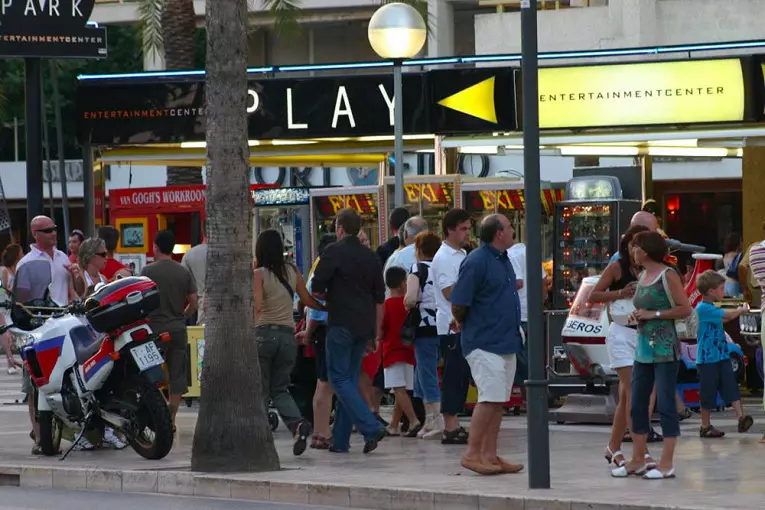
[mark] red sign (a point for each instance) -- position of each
(171, 197)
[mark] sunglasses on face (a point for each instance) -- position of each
(48, 230)
(101, 254)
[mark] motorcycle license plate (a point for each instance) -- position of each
(146, 356)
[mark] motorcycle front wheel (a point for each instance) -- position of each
(151, 426)
(51, 430)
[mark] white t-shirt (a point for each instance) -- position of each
(517, 254)
(59, 286)
(404, 258)
(445, 269)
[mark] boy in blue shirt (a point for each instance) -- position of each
(712, 357)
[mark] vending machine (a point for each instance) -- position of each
(588, 225)
(287, 211)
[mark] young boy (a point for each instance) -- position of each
(712, 358)
(398, 359)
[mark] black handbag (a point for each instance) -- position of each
(414, 316)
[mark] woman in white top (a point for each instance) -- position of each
(421, 293)
(92, 260)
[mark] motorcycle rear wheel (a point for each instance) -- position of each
(51, 430)
(153, 414)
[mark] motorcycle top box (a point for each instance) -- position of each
(121, 302)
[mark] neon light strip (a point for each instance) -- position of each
(515, 57)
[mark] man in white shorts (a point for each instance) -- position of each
(487, 310)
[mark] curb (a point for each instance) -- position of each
(242, 487)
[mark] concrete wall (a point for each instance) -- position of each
(626, 23)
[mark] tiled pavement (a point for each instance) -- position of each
(407, 473)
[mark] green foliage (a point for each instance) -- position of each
(150, 26)
(124, 57)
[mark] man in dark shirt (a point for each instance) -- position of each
(177, 302)
(349, 276)
(396, 220)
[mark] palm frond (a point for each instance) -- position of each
(422, 8)
(285, 13)
(150, 24)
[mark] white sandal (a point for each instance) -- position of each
(657, 474)
(611, 456)
(623, 472)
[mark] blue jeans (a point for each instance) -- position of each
(426, 369)
(456, 377)
(643, 377)
(344, 354)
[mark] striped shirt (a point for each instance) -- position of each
(757, 262)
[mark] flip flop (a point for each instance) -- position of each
(657, 474)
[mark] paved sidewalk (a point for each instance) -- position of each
(413, 474)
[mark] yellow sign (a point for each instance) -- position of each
(641, 94)
(476, 101)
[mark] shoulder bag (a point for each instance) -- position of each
(687, 327)
(414, 316)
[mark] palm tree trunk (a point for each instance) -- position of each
(179, 36)
(232, 432)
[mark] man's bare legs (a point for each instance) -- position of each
(403, 407)
(33, 417)
(480, 425)
(175, 404)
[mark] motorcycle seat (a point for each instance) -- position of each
(86, 343)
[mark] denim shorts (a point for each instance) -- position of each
(714, 378)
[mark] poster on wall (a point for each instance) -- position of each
(133, 261)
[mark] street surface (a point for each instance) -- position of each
(15, 498)
(724, 473)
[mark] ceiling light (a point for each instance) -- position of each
(583, 150)
(479, 149)
(697, 152)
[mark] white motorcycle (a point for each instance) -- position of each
(94, 364)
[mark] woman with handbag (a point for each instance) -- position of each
(420, 301)
(660, 300)
(616, 287)
(276, 282)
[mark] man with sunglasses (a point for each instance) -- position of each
(65, 285)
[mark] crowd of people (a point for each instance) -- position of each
(386, 321)
(644, 349)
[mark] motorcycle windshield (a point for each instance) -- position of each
(32, 281)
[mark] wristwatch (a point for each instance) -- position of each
(658, 313)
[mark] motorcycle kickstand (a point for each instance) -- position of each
(78, 438)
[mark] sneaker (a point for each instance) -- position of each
(111, 439)
(12, 370)
(84, 445)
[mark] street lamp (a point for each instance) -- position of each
(397, 32)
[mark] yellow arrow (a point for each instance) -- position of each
(476, 101)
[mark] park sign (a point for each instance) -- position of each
(50, 29)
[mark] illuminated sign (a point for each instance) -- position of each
(431, 193)
(642, 94)
(280, 196)
(502, 200)
(589, 188)
(363, 203)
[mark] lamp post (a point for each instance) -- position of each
(397, 32)
(538, 431)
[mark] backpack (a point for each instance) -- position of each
(413, 316)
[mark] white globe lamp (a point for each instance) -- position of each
(397, 31)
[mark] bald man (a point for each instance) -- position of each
(64, 280)
(643, 219)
